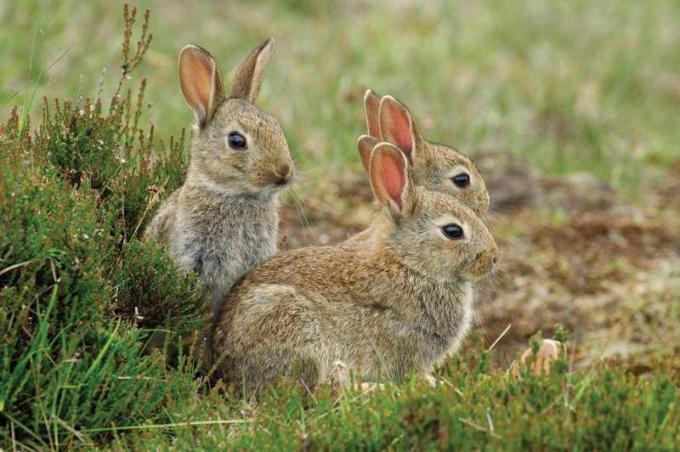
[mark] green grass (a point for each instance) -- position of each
(579, 85)
(572, 86)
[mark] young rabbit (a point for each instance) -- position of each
(435, 166)
(224, 220)
(396, 310)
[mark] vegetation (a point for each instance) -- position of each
(585, 86)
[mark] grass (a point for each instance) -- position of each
(570, 86)
(582, 85)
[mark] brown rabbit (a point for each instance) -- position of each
(224, 220)
(395, 310)
(436, 167)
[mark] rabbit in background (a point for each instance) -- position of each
(398, 309)
(436, 167)
(224, 220)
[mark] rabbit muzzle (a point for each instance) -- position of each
(284, 174)
(274, 177)
(483, 263)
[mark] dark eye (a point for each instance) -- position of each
(237, 141)
(452, 231)
(461, 180)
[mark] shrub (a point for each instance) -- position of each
(74, 198)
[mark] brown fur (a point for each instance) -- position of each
(433, 164)
(224, 220)
(396, 307)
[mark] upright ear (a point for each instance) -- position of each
(390, 178)
(248, 76)
(372, 110)
(365, 145)
(397, 126)
(200, 81)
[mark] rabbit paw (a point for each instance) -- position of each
(547, 354)
(339, 374)
(367, 388)
(340, 378)
(430, 380)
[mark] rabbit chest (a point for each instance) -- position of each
(222, 237)
(439, 320)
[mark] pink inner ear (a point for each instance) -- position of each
(396, 127)
(196, 76)
(390, 172)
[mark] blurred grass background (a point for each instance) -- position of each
(578, 85)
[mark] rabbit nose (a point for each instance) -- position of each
(489, 258)
(283, 173)
(493, 254)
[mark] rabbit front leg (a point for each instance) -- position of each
(193, 253)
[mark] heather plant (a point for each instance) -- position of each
(79, 291)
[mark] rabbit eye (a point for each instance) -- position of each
(452, 231)
(237, 141)
(461, 180)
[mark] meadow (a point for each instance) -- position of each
(570, 109)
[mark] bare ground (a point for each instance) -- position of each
(573, 253)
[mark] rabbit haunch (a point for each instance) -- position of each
(224, 220)
(397, 305)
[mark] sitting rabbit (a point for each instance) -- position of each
(224, 220)
(398, 309)
(434, 166)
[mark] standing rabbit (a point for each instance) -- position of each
(224, 220)
(396, 310)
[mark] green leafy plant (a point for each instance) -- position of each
(74, 197)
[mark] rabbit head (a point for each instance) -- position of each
(435, 166)
(236, 147)
(433, 233)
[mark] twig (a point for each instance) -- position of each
(477, 427)
(162, 426)
(15, 266)
(149, 204)
(75, 432)
(507, 328)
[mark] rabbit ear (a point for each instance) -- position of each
(200, 81)
(365, 144)
(372, 109)
(248, 76)
(390, 178)
(397, 126)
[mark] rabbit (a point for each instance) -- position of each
(435, 166)
(224, 220)
(396, 310)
